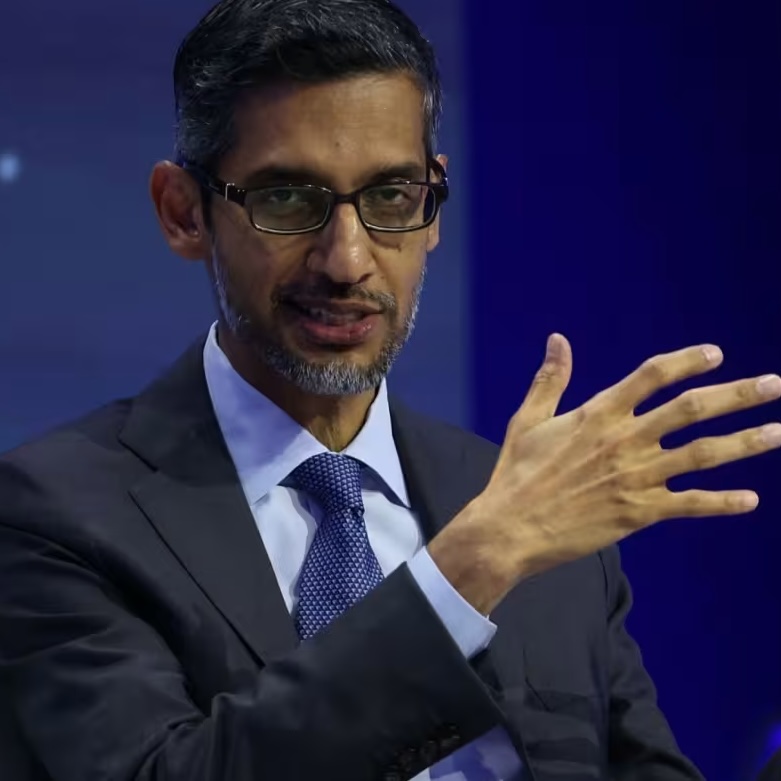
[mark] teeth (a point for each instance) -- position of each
(332, 318)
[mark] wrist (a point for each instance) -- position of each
(477, 564)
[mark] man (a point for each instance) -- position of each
(262, 567)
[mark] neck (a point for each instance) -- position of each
(333, 420)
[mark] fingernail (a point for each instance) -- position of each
(770, 386)
(750, 501)
(712, 353)
(771, 435)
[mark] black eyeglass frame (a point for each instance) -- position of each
(239, 195)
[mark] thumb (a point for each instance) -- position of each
(549, 384)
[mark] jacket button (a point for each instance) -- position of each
(408, 761)
(429, 753)
(449, 744)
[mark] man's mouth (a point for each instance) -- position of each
(335, 322)
(329, 316)
(334, 312)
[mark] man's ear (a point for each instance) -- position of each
(432, 241)
(179, 207)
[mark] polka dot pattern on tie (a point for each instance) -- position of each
(340, 567)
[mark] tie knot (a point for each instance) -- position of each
(332, 480)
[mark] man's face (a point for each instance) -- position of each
(328, 310)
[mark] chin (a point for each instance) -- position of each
(336, 356)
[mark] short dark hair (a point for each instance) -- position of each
(241, 44)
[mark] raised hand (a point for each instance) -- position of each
(566, 486)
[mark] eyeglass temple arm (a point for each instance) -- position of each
(228, 191)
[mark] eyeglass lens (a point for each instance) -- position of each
(290, 208)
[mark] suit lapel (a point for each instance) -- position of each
(440, 468)
(434, 494)
(195, 501)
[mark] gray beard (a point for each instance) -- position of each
(334, 378)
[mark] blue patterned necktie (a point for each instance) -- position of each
(340, 567)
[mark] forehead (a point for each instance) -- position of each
(343, 129)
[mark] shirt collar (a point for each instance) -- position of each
(266, 445)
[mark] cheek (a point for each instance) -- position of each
(409, 268)
(254, 269)
(405, 285)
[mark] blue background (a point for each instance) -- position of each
(617, 177)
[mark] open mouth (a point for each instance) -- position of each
(330, 316)
(337, 323)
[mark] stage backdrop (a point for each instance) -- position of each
(616, 176)
(626, 183)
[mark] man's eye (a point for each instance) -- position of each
(388, 195)
(282, 196)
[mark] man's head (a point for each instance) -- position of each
(287, 99)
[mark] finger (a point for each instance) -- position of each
(707, 504)
(548, 386)
(661, 371)
(708, 403)
(710, 452)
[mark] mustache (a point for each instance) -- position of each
(327, 290)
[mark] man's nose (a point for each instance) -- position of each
(343, 251)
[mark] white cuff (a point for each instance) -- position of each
(471, 630)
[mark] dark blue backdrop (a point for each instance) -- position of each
(616, 175)
(626, 181)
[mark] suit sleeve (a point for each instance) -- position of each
(641, 745)
(99, 696)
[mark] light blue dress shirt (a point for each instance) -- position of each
(266, 445)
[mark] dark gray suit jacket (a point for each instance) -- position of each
(143, 635)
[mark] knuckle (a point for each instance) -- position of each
(544, 376)
(732, 503)
(629, 513)
(751, 443)
(719, 503)
(746, 392)
(702, 454)
(691, 406)
(581, 415)
(612, 461)
(580, 420)
(688, 504)
(592, 413)
(641, 478)
(656, 371)
(549, 372)
(584, 414)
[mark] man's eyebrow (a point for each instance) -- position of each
(414, 171)
(284, 174)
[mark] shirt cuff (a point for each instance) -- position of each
(471, 630)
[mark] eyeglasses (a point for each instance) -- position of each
(288, 209)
